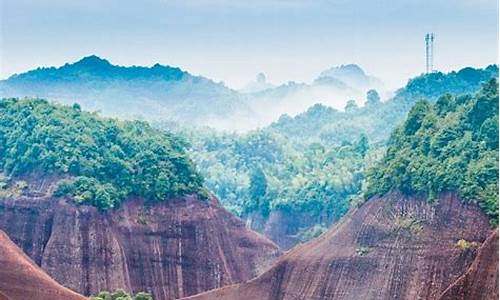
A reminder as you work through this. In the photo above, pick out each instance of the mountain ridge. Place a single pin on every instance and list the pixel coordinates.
(382, 250)
(174, 249)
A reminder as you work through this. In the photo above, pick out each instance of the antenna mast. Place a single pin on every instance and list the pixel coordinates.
(429, 52)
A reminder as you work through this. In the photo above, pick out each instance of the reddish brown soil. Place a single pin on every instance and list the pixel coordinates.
(21, 279)
(172, 249)
(390, 248)
(481, 279)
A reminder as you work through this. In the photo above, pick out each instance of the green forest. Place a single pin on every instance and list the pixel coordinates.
(377, 119)
(262, 171)
(314, 165)
(102, 161)
(451, 145)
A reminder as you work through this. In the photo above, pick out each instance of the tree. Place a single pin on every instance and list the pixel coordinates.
(372, 97)
(489, 132)
(258, 184)
(362, 145)
(416, 117)
(351, 106)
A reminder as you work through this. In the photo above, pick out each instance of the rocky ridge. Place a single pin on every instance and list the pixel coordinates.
(172, 249)
(392, 247)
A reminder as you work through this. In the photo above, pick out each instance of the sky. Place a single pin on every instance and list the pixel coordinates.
(232, 40)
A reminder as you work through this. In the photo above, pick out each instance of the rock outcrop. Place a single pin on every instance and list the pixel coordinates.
(172, 249)
(393, 247)
(21, 279)
(287, 228)
(481, 279)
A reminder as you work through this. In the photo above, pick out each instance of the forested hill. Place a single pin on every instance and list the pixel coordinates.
(103, 160)
(94, 67)
(451, 145)
(377, 119)
(152, 93)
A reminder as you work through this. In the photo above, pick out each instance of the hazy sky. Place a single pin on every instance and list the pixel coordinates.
(231, 40)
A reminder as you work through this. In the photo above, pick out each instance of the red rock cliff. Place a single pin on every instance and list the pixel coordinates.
(171, 249)
(390, 248)
(481, 279)
(21, 279)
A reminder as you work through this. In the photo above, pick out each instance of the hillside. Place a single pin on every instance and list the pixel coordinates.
(431, 202)
(22, 279)
(101, 204)
(98, 161)
(291, 180)
(377, 119)
(171, 249)
(451, 145)
(165, 93)
(480, 281)
(392, 247)
(288, 192)
(333, 87)
(151, 93)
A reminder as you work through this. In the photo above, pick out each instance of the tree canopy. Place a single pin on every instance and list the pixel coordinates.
(451, 145)
(103, 160)
(377, 119)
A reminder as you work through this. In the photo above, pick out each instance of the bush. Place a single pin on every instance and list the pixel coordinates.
(120, 294)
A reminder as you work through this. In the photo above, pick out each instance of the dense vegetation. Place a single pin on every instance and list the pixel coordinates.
(120, 294)
(377, 119)
(313, 166)
(260, 172)
(451, 145)
(104, 160)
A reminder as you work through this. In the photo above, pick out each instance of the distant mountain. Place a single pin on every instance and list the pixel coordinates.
(333, 87)
(377, 120)
(258, 85)
(351, 75)
(165, 93)
(153, 93)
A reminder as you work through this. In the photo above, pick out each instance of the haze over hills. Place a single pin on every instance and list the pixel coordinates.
(424, 230)
(249, 150)
(295, 178)
(376, 119)
(333, 87)
(152, 93)
(164, 237)
(164, 93)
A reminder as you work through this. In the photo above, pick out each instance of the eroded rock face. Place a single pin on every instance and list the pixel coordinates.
(20, 278)
(171, 249)
(390, 248)
(286, 228)
(481, 279)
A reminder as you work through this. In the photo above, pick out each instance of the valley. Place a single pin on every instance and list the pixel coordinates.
(395, 199)
(249, 150)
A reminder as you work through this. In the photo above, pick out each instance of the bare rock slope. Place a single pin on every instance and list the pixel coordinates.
(172, 249)
(21, 279)
(393, 247)
(481, 279)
